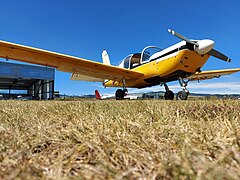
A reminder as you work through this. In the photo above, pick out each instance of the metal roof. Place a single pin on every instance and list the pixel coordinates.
(21, 76)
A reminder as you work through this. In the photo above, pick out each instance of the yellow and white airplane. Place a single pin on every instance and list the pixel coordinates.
(153, 66)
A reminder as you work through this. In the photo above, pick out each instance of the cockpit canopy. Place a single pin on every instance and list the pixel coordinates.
(134, 60)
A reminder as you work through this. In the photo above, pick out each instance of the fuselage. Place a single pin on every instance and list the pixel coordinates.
(160, 66)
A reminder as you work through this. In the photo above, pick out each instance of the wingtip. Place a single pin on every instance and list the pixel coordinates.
(171, 31)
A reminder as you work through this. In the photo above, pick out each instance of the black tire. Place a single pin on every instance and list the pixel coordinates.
(119, 95)
(182, 95)
(169, 95)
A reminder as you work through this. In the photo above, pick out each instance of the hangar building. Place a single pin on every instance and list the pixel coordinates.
(37, 82)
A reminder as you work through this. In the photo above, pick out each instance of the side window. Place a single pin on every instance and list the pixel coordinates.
(126, 62)
(135, 60)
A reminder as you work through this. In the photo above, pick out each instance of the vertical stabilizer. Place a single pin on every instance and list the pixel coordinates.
(97, 94)
(105, 58)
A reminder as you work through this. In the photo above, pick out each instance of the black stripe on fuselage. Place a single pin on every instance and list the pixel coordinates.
(170, 52)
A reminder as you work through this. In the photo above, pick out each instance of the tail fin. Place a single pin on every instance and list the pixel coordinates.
(97, 94)
(105, 58)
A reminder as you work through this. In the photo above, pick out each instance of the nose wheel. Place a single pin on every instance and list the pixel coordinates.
(183, 95)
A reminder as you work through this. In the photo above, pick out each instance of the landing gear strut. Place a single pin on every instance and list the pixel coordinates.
(120, 93)
(169, 95)
(183, 95)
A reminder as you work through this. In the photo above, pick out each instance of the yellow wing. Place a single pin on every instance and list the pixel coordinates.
(211, 74)
(90, 70)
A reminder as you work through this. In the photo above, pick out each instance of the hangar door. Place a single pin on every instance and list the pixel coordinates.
(37, 82)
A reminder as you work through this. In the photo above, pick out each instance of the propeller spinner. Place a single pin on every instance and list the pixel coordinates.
(202, 46)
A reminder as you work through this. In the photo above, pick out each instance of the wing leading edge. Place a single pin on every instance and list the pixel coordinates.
(90, 70)
(211, 74)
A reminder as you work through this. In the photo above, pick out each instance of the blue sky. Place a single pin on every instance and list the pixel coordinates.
(84, 28)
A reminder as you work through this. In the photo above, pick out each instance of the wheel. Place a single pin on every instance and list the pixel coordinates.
(119, 95)
(169, 95)
(182, 95)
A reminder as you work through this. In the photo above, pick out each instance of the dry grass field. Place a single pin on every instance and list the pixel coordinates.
(146, 139)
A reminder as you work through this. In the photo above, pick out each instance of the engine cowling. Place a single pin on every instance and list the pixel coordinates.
(204, 46)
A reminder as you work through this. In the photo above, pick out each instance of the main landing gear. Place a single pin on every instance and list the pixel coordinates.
(169, 95)
(120, 93)
(181, 95)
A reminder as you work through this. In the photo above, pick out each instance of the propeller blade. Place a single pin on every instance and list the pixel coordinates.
(182, 37)
(219, 55)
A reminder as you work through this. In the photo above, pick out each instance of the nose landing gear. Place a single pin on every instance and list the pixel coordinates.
(183, 95)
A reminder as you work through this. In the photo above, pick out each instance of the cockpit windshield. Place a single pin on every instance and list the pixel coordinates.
(148, 52)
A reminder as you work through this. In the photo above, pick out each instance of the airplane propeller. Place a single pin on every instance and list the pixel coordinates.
(202, 46)
(219, 55)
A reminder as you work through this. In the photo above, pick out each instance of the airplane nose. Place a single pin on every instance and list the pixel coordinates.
(204, 46)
